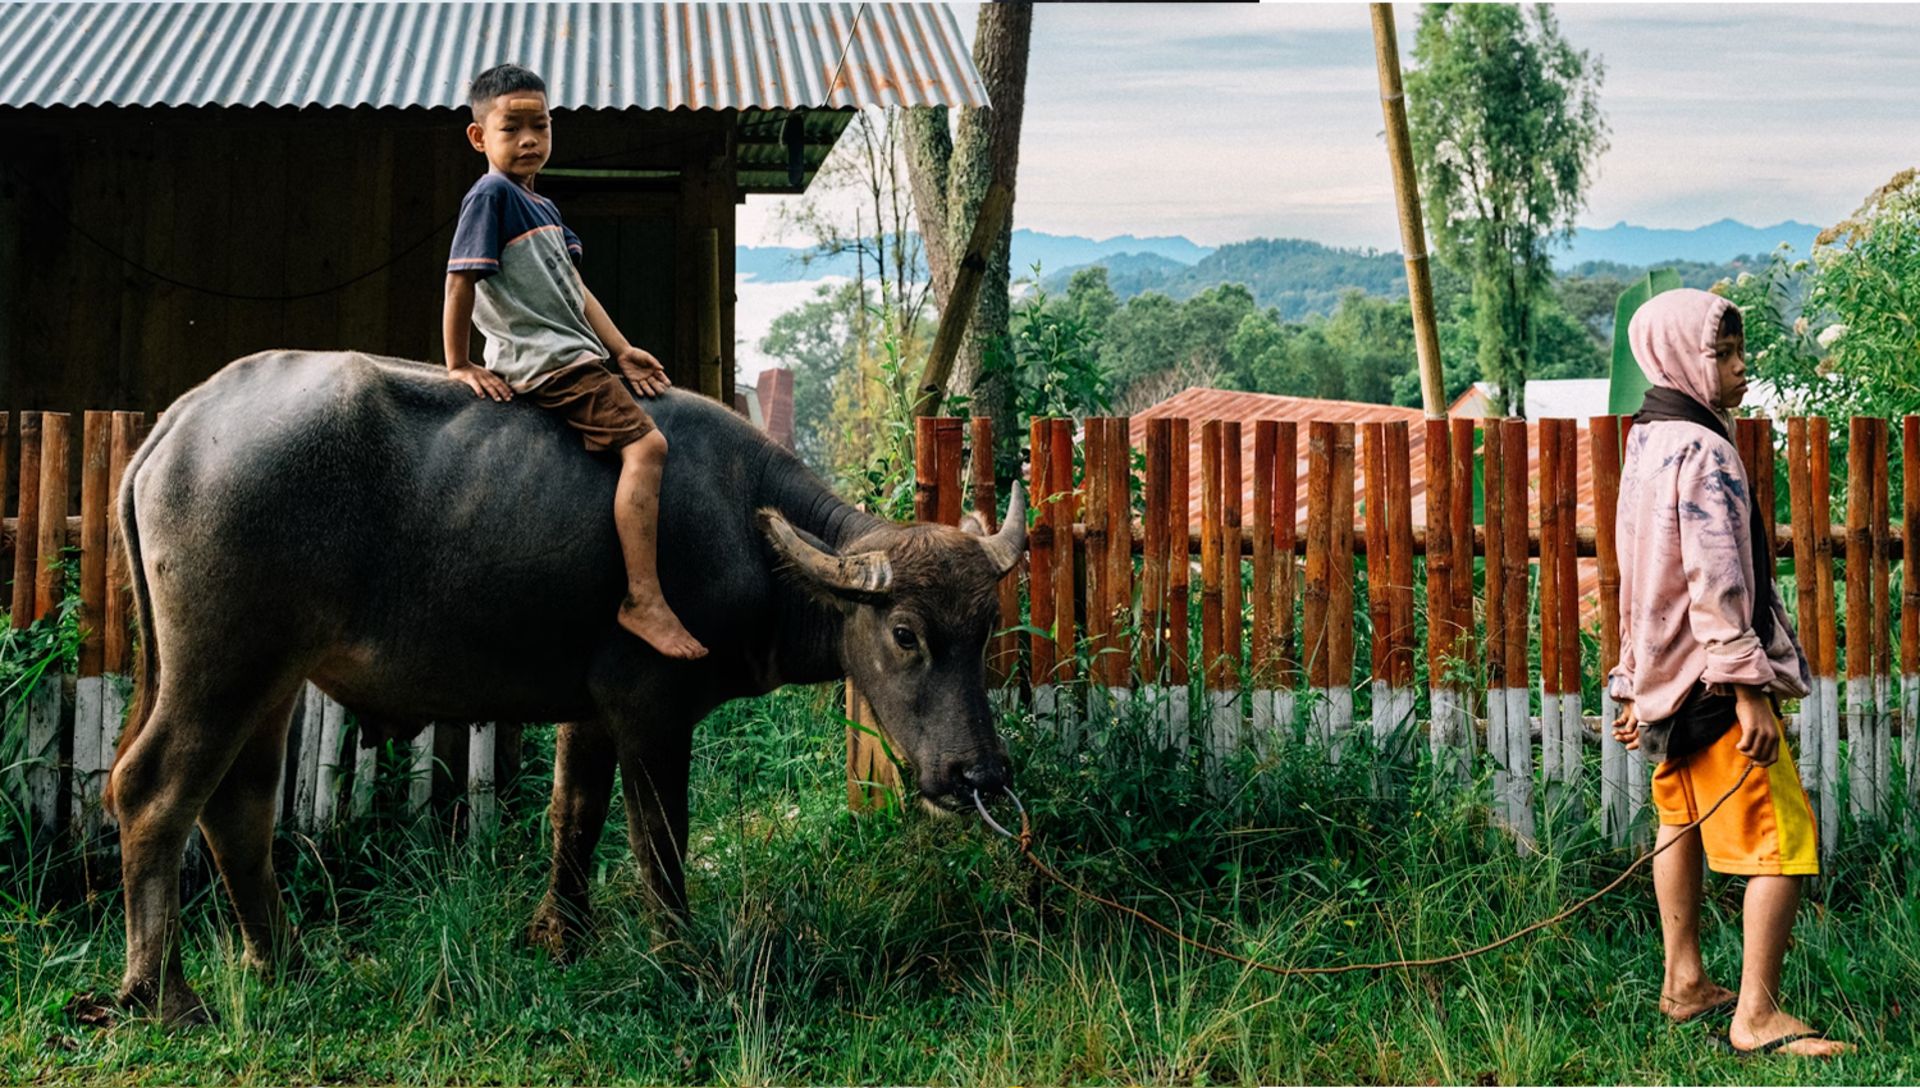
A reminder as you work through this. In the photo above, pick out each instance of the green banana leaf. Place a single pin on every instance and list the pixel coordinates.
(1626, 385)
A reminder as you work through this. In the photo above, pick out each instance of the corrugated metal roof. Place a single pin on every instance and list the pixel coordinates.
(593, 56)
(1199, 405)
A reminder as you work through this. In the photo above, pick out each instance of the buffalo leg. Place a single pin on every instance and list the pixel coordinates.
(583, 762)
(238, 824)
(160, 784)
(654, 784)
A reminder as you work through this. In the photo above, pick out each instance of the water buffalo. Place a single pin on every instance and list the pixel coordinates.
(421, 554)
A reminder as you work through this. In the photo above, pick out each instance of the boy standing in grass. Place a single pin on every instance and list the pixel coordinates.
(1706, 650)
(512, 273)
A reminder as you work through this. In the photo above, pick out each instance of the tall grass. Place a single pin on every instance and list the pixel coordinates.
(898, 947)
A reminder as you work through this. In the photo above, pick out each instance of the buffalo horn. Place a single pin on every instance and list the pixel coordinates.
(1005, 546)
(861, 574)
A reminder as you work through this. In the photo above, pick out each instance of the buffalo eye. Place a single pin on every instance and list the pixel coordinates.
(903, 637)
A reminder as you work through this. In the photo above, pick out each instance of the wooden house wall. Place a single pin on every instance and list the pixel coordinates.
(222, 207)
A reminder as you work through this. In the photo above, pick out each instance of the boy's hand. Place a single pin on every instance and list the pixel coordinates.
(1626, 727)
(483, 382)
(639, 366)
(1759, 726)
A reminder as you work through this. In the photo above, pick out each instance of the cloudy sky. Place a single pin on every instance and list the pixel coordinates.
(1226, 122)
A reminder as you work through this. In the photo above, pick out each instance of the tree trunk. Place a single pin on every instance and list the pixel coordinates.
(949, 177)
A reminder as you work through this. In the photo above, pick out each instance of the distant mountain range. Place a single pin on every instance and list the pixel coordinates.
(1300, 277)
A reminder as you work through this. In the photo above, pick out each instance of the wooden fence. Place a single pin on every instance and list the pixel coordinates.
(1114, 550)
(1100, 618)
(69, 726)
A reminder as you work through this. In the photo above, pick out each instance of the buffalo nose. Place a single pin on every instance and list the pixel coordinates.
(988, 775)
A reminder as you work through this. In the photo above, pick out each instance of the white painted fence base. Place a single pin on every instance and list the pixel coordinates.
(1616, 813)
(1862, 748)
(1272, 713)
(483, 813)
(43, 752)
(87, 760)
(1573, 735)
(312, 711)
(1176, 719)
(333, 729)
(1224, 734)
(1829, 688)
(1519, 764)
(420, 776)
(1910, 725)
(114, 695)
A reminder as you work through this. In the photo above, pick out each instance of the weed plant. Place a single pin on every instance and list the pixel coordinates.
(825, 947)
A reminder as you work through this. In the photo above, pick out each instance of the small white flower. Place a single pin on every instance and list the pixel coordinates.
(1745, 278)
(1831, 335)
(1800, 325)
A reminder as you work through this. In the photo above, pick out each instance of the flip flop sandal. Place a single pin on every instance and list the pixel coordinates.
(1723, 1007)
(1721, 1042)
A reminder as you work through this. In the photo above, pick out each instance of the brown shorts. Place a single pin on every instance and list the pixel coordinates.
(596, 402)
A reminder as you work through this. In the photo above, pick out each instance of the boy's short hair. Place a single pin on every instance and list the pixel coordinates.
(496, 81)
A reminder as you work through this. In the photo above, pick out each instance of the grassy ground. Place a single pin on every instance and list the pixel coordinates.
(900, 948)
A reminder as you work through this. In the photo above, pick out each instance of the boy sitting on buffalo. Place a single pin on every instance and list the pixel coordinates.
(511, 272)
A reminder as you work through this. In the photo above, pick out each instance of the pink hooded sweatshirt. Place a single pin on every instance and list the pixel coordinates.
(1686, 574)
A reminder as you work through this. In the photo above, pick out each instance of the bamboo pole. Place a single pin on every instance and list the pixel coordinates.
(1513, 555)
(1230, 721)
(1315, 589)
(26, 537)
(1603, 446)
(1413, 239)
(1460, 514)
(1910, 605)
(1061, 514)
(55, 457)
(1212, 640)
(87, 758)
(1340, 612)
(1120, 623)
(1400, 594)
(1566, 492)
(949, 452)
(1040, 560)
(1800, 511)
(1003, 653)
(1373, 448)
(1882, 616)
(1443, 701)
(1179, 500)
(1859, 572)
(1493, 477)
(1826, 670)
(1261, 664)
(1286, 536)
(1099, 616)
(1153, 564)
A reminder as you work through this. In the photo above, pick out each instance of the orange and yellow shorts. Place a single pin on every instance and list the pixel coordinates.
(1765, 829)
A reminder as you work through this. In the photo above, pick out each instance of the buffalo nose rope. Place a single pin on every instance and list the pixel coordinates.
(1024, 840)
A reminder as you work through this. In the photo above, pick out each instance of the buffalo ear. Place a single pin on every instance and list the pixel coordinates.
(865, 576)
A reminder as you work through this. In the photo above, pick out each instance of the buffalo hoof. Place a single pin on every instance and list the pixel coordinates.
(176, 1006)
(558, 929)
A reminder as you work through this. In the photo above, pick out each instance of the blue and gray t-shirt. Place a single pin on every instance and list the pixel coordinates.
(528, 301)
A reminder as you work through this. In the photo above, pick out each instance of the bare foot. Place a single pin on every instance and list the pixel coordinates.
(1750, 1037)
(1684, 1005)
(653, 621)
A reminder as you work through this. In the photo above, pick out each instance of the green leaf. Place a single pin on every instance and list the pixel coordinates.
(1626, 385)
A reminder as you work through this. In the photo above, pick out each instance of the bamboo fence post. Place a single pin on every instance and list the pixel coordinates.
(1340, 614)
(1493, 479)
(1910, 604)
(1513, 554)
(1442, 700)
(1179, 570)
(483, 810)
(949, 445)
(1373, 448)
(1460, 440)
(1552, 735)
(1120, 624)
(330, 772)
(1572, 727)
(1400, 585)
(1314, 591)
(1860, 723)
(1229, 724)
(1097, 568)
(1261, 660)
(1800, 511)
(1003, 652)
(116, 650)
(1060, 475)
(43, 709)
(1221, 704)
(88, 762)
(1153, 575)
(926, 468)
(1040, 562)
(1603, 446)
(1826, 670)
(26, 536)
(1882, 616)
(1286, 537)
